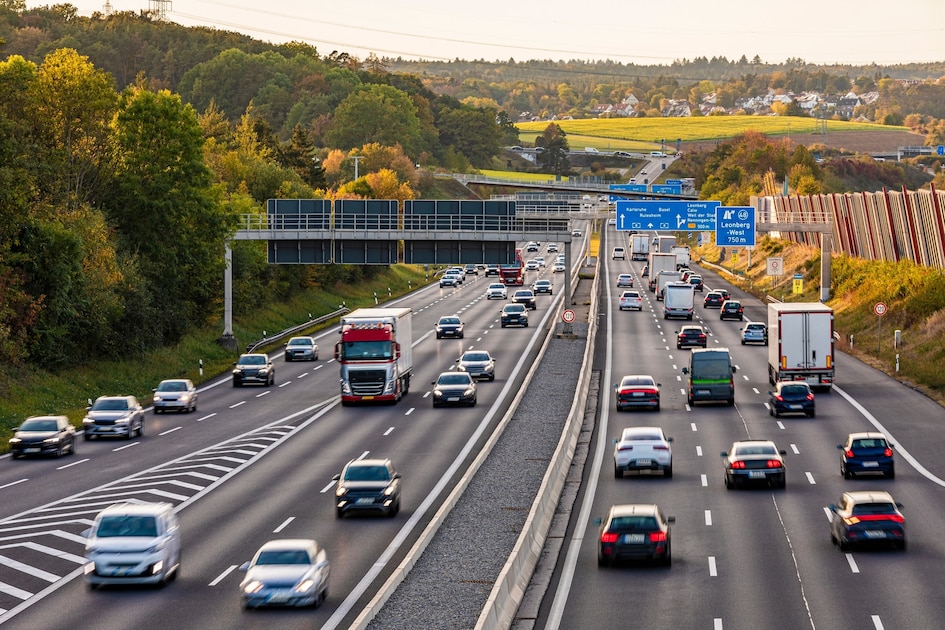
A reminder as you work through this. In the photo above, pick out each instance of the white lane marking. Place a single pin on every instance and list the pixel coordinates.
(794, 448)
(877, 622)
(389, 431)
(363, 455)
(698, 451)
(234, 406)
(745, 376)
(679, 378)
(705, 480)
(121, 448)
(317, 367)
(327, 488)
(755, 389)
(81, 461)
(409, 411)
(426, 394)
(170, 431)
(283, 525)
(220, 577)
(810, 479)
(207, 417)
(713, 572)
(13, 483)
(852, 563)
(693, 426)
(716, 624)
(29, 570)
(265, 393)
(708, 518)
(14, 591)
(780, 425)
(287, 383)
(302, 375)
(827, 513)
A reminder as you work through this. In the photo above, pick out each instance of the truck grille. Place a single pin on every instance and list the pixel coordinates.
(367, 382)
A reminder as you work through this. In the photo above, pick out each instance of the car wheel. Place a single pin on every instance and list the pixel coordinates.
(618, 474)
(439, 336)
(843, 545)
(288, 359)
(601, 562)
(141, 429)
(236, 383)
(775, 413)
(503, 325)
(339, 514)
(731, 402)
(812, 414)
(525, 325)
(891, 474)
(14, 455)
(728, 483)
(272, 379)
(86, 437)
(667, 559)
(59, 451)
(743, 342)
(157, 410)
(668, 473)
(770, 411)
(657, 407)
(846, 473)
(492, 378)
(901, 545)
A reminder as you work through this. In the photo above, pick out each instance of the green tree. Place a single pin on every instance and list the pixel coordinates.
(375, 113)
(554, 158)
(473, 132)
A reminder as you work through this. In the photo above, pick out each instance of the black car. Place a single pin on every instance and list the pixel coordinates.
(754, 461)
(731, 309)
(542, 286)
(867, 452)
(791, 397)
(696, 282)
(477, 363)
(867, 518)
(43, 435)
(691, 337)
(367, 485)
(449, 326)
(454, 388)
(526, 297)
(513, 314)
(635, 532)
(713, 299)
(254, 368)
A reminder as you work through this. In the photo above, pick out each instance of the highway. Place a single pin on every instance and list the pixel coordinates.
(745, 559)
(253, 464)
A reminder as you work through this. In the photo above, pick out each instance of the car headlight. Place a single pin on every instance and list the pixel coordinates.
(469, 391)
(53, 440)
(184, 398)
(345, 388)
(87, 420)
(461, 368)
(340, 491)
(253, 586)
(238, 371)
(305, 585)
(437, 393)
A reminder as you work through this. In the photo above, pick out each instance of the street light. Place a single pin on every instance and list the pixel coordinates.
(356, 159)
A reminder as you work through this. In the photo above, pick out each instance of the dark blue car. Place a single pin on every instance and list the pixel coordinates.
(867, 452)
(791, 397)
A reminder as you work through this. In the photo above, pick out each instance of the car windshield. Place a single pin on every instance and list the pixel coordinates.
(367, 473)
(476, 356)
(172, 386)
(496, 286)
(39, 425)
(252, 359)
(874, 508)
(794, 390)
(756, 450)
(711, 369)
(453, 379)
(633, 522)
(283, 556)
(449, 320)
(110, 404)
(873, 443)
(115, 526)
(300, 342)
(637, 435)
(637, 380)
(514, 308)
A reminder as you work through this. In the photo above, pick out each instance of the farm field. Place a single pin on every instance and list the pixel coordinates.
(639, 134)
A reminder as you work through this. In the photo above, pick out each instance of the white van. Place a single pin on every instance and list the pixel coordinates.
(133, 543)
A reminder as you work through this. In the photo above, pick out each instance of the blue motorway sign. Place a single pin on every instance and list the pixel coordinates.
(735, 225)
(666, 189)
(629, 187)
(666, 215)
(674, 182)
(940, 149)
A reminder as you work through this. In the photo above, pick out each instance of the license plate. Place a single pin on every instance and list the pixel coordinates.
(756, 474)
(633, 539)
(794, 406)
(121, 571)
(279, 598)
(637, 394)
(365, 501)
(30, 450)
(702, 392)
(453, 399)
(644, 462)
(367, 398)
(870, 464)
(874, 533)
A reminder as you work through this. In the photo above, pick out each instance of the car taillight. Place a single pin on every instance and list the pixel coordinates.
(853, 520)
(608, 537)
(810, 397)
(660, 447)
(657, 537)
(625, 448)
(701, 336)
(887, 452)
(848, 453)
(739, 465)
(773, 463)
(779, 398)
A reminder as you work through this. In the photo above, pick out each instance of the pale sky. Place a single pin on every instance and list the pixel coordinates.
(627, 31)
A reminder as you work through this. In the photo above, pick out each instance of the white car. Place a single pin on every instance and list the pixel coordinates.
(612, 221)
(531, 265)
(497, 290)
(643, 448)
(619, 253)
(540, 260)
(631, 300)
(288, 572)
(575, 232)
(558, 268)
(552, 248)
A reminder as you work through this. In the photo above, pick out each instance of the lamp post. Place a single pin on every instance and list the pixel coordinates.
(356, 159)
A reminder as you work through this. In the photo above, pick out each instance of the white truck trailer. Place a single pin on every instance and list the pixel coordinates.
(639, 246)
(660, 262)
(682, 256)
(678, 300)
(800, 343)
(665, 244)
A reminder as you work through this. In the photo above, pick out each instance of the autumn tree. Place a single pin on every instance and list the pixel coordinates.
(375, 113)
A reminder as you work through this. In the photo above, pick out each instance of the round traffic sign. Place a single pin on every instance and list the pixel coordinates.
(880, 308)
(568, 316)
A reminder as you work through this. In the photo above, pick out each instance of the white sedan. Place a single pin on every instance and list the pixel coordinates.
(558, 268)
(289, 572)
(531, 265)
(631, 300)
(643, 448)
(498, 291)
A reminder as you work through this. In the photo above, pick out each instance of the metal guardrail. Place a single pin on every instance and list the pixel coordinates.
(288, 332)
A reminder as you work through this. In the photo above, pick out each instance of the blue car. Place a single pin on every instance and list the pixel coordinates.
(867, 452)
(791, 397)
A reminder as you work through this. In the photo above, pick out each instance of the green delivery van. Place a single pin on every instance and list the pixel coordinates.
(711, 376)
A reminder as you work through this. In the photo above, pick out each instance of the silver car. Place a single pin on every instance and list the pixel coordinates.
(301, 349)
(477, 363)
(755, 332)
(113, 416)
(287, 572)
(175, 394)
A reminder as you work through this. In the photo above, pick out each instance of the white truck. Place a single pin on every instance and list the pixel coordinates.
(664, 278)
(800, 346)
(678, 300)
(665, 244)
(682, 256)
(659, 262)
(639, 246)
(375, 353)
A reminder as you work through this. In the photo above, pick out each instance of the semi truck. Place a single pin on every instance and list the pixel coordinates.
(800, 343)
(639, 246)
(660, 262)
(512, 275)
(375, 353)
(664, 278)
(665, 244)
(682, 256)
(678, 300)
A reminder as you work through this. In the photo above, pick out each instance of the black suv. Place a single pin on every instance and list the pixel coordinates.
(526, 297)
(449, 326)
(691, 336)
(731, 309)
(513, 314)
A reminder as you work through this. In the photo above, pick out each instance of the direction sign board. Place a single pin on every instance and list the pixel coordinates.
(629, 187)
(666, 215)
(674, 182)
(735, 225)
(666, 189)
(940, 149)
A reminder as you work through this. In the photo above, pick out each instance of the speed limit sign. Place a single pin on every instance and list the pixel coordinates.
(568, 316)
(880, 308)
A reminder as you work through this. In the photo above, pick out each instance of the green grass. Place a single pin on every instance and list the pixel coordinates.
(29, 392)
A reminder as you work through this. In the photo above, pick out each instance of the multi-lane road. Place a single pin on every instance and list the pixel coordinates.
(253, 464)
(753, 558)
